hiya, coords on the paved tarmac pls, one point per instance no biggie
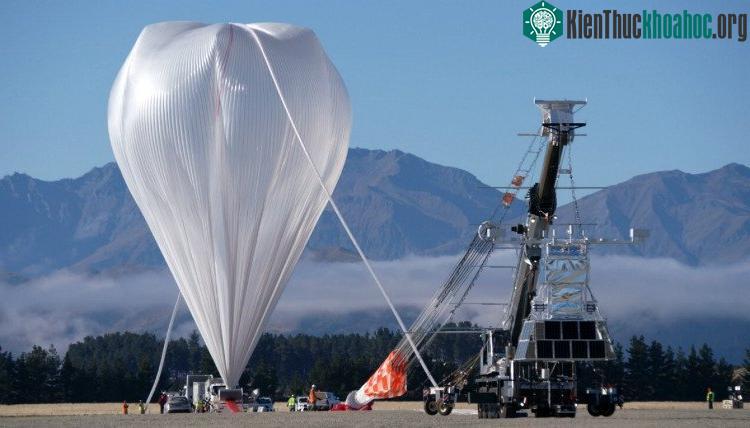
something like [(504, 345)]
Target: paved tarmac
[(392, 418)]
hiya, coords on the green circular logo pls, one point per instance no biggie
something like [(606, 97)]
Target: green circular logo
[(542, 23)]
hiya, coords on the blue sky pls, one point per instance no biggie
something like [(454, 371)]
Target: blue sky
[(450, 81)]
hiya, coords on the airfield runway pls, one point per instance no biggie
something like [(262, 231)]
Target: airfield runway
[(406, 415)]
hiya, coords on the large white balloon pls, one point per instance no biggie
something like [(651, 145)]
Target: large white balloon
[(209, 154)]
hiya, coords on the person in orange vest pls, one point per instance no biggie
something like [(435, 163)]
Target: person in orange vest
[(124, 407), (311, 398)]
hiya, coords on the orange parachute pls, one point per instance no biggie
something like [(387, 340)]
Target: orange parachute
[(507, 199), (389, 380)]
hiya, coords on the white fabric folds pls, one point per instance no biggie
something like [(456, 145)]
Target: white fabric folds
[(204, 144)]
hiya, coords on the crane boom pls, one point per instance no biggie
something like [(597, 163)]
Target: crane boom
[(552, 321), (559, 128)]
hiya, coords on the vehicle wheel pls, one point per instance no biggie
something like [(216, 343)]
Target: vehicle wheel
[(445, 409), (508, 411), (430, 407), (488, 411), (593, 409), (607, 410), (482, 411)]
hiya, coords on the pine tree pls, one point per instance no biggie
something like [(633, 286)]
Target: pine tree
[(670, 376), (705, 368), (694, 385), (264, 379), (722, 377), (194, 351), (681, 377), (637, 371), (658, 376), (614, 371), (6, 377), (40, 375)]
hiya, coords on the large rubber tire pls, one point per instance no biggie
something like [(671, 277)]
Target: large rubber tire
[(607, 410), (593, 409), (445, 409), (507, 411), (494, 411), (430, 407)]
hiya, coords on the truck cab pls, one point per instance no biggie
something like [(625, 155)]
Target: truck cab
[(492, 355)]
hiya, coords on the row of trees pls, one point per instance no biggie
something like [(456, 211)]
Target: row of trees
[(653, 372), (121, 366)]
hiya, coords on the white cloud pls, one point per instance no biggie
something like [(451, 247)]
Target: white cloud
[(65, 307)]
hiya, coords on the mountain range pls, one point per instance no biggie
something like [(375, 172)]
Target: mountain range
[(697, 219), (397, 205)]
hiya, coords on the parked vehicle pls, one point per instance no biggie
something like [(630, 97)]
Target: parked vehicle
[(735, 397), (301, 404), (261, 404), (325, 400), (178, 404), (195, 387)]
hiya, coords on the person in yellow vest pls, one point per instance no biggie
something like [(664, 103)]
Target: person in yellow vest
[(142, 407), (311, 398), (290, 403), (124, 407), (710, 398)]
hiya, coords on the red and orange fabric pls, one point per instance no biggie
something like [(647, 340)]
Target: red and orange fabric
[(232, 406), (507, 199), (389, 380)]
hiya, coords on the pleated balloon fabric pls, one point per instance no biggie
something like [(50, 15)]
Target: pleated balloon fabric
[(209, 154)]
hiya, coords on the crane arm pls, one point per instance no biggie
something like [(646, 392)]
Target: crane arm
[(559, 127)]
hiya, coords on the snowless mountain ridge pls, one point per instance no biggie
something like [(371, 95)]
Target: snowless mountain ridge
[(397, 204)]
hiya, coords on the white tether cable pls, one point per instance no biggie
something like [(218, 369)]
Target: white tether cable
[(164, 350), (338, 213)]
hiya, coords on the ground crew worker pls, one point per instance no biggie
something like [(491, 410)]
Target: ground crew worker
[(162, 401), (142, 407), (291, 402), (124, 407), (710, 398), (311, 398)]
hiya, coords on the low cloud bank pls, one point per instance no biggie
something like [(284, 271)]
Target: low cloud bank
[(633, 292), (666, 289), (65, 307)]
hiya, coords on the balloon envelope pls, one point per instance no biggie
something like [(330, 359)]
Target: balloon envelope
[(208, 152)]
